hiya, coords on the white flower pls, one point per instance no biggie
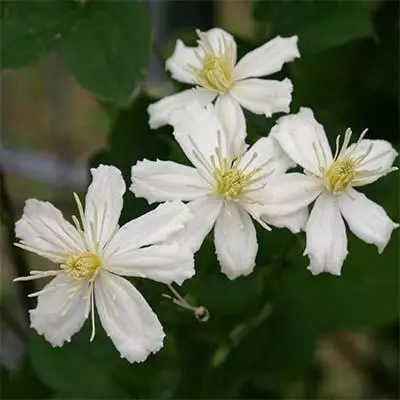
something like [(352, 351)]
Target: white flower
[(331, 180), (93, 254), (213, 69), (221, 189)]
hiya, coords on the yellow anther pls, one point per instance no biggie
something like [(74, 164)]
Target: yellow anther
[(231, 182), (82, 265), (216, 73), (340, 174)]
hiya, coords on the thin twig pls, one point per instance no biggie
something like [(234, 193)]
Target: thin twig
[(17, 257)]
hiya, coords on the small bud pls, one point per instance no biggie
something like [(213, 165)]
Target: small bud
[(202, 314)]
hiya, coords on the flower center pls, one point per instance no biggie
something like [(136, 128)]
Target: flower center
[(230, 182), (82, 265), (340, 174), (216, 73)]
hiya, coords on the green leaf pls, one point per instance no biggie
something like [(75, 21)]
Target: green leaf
[(105, 44), (79, 368), (108, 46), (319, 25), (30, 29)]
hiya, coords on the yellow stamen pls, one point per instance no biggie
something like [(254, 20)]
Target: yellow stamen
[(82, 265), (217, 63), (231, 182), (216, 73), (340, 174), (347, 167)]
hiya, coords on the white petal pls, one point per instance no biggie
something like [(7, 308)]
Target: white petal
[(256, 211), (326, 236), (205, 211), (268, 58), (160, 263), (379, 160), (233, 121), (266, 153), (181, 61), (296, 221), (127, 318), (235, 241), (222, 43), (288, 193), (160, 112), (366, 219), (199, 131), (43, 228), (153, 227), (103, 204), (62, 309), (262, 96), (301, 136), (167, 180)]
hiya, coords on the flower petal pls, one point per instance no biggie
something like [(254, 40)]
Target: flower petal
[(222, 43), (235, 241), (268, 58), (262, 96), (44, 229), (233, 121), (62, 309), (288, 193), (295, 222), (153, 227), (326, 236), (301, 136), (205, 211), (127, 318), (366, 219), (167, 180), (266, 153), (160, 112), (103, 204), (377, 163), (199, 131), (181, 61), (160, 263)]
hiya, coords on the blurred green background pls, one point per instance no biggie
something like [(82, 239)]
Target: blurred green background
[(77, 77)]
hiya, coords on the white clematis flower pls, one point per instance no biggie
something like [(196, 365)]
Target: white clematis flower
[(221, 189), (331, 180), (212, 67), (92, 254)]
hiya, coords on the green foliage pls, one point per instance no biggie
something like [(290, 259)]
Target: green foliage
[(131, 140), (106, 45), (107, 48), (264, 328), (319, 25), (30, 29)]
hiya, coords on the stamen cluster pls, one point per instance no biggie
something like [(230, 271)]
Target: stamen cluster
[(216, 72), (82, 265)]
